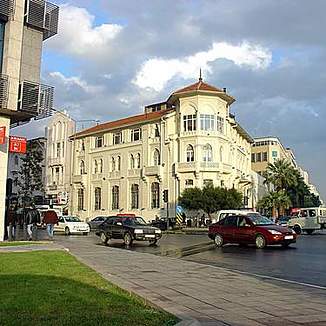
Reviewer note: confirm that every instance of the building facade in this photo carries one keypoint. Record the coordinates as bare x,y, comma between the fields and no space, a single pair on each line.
189,140
58,158
24,25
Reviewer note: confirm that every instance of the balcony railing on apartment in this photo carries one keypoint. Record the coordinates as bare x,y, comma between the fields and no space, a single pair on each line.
4,83
36,99
43,15
7,8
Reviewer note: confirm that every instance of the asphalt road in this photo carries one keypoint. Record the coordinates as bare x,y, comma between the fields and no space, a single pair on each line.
303,262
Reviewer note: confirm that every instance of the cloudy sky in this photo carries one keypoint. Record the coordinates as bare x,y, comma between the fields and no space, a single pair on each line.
112,57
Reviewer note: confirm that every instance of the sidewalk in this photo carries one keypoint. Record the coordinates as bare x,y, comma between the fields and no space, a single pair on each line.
205,295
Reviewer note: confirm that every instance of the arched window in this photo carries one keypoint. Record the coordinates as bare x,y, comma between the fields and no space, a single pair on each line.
82,167
155,191
95,167
119,163
98,198
113,164
156,157
207,153
132,162
137,163
115,197
221,154
135,196
80,199
190,153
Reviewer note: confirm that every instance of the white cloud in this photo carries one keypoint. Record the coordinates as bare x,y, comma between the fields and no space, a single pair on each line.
75,81
156,72
77,34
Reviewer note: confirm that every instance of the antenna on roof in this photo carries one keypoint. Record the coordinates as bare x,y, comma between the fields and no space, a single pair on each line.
200,77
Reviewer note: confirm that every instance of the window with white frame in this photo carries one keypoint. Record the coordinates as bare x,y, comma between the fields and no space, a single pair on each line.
80,199
98,198
113,164
58,150
136,134
117,138
132,162
137,161
82,167
135,196
99,141
156,157
155,192
115,197
119,163
220,124
207,122
100,166
190,154
207,153
95,167
190,122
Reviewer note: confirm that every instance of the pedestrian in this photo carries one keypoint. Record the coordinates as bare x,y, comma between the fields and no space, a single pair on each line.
32,218
12,222
50,219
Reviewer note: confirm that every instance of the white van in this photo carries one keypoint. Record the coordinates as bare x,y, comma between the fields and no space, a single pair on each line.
309,220
224,213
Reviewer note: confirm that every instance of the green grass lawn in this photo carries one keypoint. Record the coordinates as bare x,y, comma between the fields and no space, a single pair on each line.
21,243
53,288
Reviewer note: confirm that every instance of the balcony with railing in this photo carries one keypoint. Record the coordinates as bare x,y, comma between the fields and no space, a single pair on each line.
7,8
134,172
4,86
115,174
153,170
209,166
187,167
42,15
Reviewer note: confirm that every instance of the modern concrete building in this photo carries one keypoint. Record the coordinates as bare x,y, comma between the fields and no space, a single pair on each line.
24,25
58,158
189,140
14,167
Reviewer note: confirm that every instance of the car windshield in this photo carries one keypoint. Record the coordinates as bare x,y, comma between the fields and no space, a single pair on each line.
137,221
72,219
260,220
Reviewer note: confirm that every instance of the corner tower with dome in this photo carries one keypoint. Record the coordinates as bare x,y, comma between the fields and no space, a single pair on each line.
187,141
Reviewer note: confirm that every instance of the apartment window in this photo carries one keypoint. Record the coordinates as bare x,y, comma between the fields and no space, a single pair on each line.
156,157
207,122
189,122
117,138
274,153
264,156
136,134
207,153
157,130
80,197
113,165
58,149
57,175
220,124
137,161
132,162
258,157
82,145
98,141
135,196
98,198
115,197
253,157
189,182
190,153
100,166
63,149
119,163
95,167
155,191
208,182
2,35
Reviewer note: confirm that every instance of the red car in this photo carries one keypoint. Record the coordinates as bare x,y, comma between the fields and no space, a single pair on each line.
250,229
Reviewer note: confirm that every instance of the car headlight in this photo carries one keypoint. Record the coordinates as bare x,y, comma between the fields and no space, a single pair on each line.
139,231
158,231
274,232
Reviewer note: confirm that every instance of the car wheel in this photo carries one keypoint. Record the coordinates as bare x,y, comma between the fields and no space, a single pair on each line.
297,229
104,238
310,232
260,241
127,239
152,242
67,231
218,240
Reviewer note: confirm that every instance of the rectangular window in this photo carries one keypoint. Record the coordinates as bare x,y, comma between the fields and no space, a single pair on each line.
80,199
208,182
258,157
207,122
265,157
63,149
2,35
157,130
189,122
117,138
58,150
253,158
98,141
274,153
220,124
98,198
136,134
189,182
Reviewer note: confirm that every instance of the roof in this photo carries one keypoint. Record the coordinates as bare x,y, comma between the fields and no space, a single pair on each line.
136,119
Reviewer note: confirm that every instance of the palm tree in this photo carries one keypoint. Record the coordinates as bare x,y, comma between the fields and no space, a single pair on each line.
275,201
281,174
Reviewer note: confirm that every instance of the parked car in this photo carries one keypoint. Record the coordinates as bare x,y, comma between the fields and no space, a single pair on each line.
71,225
96,222
162,223
258,230
128,228
283,220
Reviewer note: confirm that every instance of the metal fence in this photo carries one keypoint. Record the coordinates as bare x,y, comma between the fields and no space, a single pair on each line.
7,8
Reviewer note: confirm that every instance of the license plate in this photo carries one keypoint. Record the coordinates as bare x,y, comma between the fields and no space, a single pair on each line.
288,237
149,236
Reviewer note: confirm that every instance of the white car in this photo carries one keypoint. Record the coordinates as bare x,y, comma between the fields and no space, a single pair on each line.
71,225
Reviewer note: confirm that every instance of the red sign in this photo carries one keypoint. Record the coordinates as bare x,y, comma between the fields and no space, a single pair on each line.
17,144
2,135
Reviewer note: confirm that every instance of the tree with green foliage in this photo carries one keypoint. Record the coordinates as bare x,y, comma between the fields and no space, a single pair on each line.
275,201
29,177
210,199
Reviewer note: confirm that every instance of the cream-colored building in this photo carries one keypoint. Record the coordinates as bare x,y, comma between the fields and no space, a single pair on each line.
58,157
24,25
189,140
